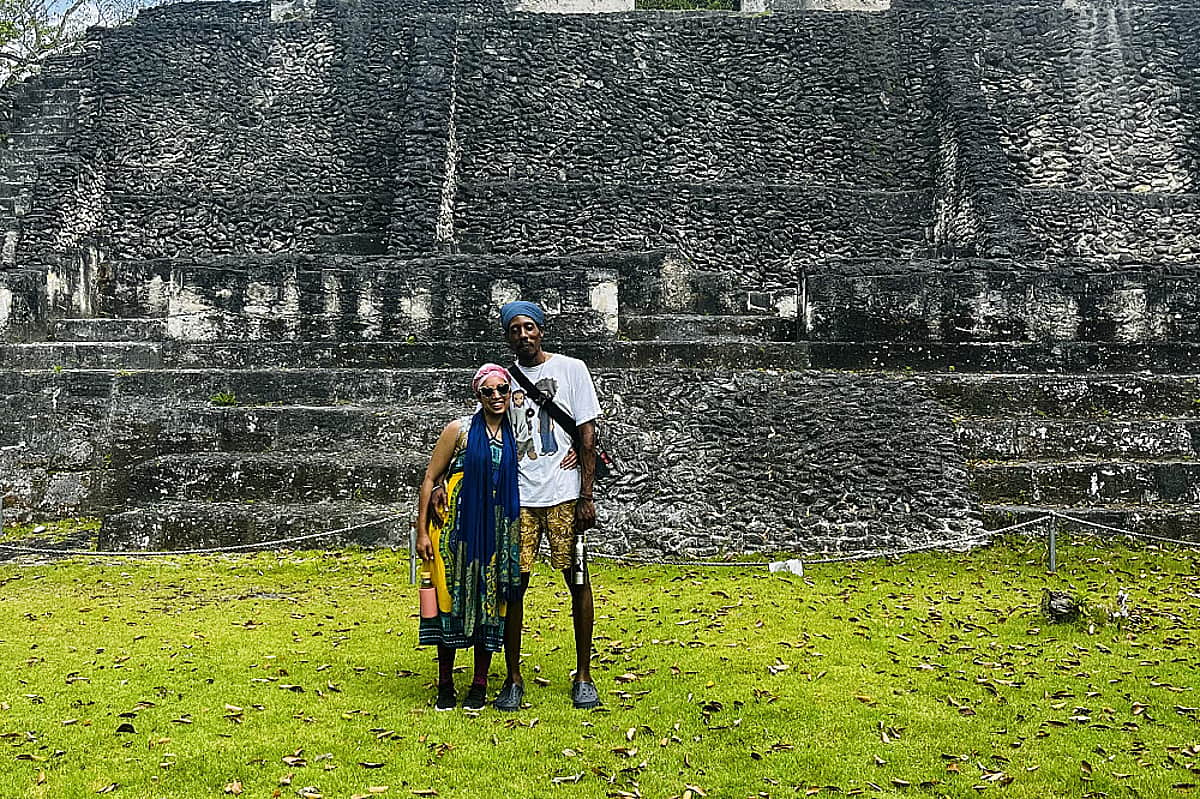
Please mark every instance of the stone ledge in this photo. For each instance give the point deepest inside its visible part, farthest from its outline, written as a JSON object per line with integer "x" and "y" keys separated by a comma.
{"x": 1092, "y": 482}
{"x": 1179, "y": 523}
{"x": 279, "y": 477}
{"x": 188, "y": 525}
{"x": 1071, "y": 396}
{"x": 1047, "y": 439}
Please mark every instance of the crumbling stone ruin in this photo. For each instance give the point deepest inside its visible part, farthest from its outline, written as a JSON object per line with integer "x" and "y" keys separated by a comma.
{"x": 848, "y": 278}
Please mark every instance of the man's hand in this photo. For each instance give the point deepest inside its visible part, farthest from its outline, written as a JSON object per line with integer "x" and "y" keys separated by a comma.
{"x": 437, "y": 505}
{"x": 585, "y": 515}
{"x": 570, "y": 461}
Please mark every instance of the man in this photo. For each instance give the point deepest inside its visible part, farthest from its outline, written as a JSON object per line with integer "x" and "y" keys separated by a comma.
{"x": 556, "y": 490}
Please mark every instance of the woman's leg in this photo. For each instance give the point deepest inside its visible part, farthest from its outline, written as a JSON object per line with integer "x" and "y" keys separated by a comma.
{"x": 514, "y": 620}
{"x": 445, "y": 665}
{"x": 446, "y": 698}
{"x": 483, "y": 662}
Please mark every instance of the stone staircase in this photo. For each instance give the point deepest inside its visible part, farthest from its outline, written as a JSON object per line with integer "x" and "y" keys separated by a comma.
{"x": 39, "y": 119}
{"x": 1117, "y": 449}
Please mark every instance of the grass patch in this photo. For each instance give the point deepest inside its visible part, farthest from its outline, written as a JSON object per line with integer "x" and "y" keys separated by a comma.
{"x": 50, "y": 532}
{"x": 935, "y": 676}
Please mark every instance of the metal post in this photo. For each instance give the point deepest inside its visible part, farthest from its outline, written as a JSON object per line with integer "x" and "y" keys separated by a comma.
{"x": 1053, "y": 544}
{"x": 412, "y": 554}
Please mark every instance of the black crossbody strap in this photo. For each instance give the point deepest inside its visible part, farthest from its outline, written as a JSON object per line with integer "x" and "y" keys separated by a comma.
{"x": 556, "y": 412}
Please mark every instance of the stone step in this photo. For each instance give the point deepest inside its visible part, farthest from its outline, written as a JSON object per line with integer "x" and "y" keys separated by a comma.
{"x": 18, "y": 175}
{"x": 1071, "y": 396}
{"x": 1071, "y": 358}
{"x": 192, "y": 525}
{"x": 280, "y": 477}
{"x": 15, "y": 205}
{"x": 23, "y": 159}
{"x": 110, "y": 330}
{"x": 82, "y": 355}
{"x": 1179, "y": 523}
{"x": 46, "y": 123}
{"x": 1008, "y": 357}
{"x": 18, "y": 141}
{"x": 699, "y": 327}
{"x": 1070, "y": 439}
{"x": 387, "y": 354}
{"x": 1088, "y": 482}
{"x": 148, "y": 429}
{"x": 356, "y": 297}
{"x": 205, "y": 388}
{"x": 55, "y": 108}
{"x": 994, "y": 301}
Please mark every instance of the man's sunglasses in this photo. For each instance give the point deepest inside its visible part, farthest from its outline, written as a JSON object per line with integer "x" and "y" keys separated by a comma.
{"x": 488, "y": 393}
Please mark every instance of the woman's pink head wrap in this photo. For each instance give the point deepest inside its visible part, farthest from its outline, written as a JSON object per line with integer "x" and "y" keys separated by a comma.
{"x": 486, "y": 371}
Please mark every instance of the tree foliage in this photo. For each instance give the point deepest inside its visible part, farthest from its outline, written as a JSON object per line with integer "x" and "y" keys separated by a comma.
{"x": 31, "y": 30}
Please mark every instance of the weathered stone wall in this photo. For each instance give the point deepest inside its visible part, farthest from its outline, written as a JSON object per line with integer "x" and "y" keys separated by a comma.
{"x": 350, "y": 298}
{"x": 750, "y": 461}
{"x": 998, "y": 301}
{"x": 292, "y": 201}
{"x": 722, "y": 461}
{"x": 747, "y": 143}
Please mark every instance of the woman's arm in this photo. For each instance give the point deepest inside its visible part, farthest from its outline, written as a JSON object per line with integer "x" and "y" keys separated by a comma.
{"x": 439, "y": 463}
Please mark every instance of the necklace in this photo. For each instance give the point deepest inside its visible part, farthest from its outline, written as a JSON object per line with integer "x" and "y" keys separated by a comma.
{"x": 493, "y": 432}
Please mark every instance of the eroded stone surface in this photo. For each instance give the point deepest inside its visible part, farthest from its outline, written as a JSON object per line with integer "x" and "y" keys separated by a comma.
{"x": 319, "y": 206}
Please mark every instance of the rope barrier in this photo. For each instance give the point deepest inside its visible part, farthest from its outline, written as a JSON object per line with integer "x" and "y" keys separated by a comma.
{"x": 833, "y": 558}
{"x": 1121, "y": 531}
{"x": 633, "y": 559}
{"x": 200, "y": 551}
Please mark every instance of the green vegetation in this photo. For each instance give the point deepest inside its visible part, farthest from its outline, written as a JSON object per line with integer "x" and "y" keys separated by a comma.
{"x": 49, "y": 532}
{"x": 223, "y": 398}
{"x": 297, "y": 674}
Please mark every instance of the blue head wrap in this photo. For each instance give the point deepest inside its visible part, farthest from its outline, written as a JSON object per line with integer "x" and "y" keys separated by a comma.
{"x": 521, "y": 308}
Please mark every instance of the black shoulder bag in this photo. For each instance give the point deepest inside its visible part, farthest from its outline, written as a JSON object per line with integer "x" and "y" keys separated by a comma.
{"x": 606, "y": 466}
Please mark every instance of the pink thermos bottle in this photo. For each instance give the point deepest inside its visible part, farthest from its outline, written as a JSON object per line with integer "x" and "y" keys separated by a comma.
{"x": 429, "y": 608}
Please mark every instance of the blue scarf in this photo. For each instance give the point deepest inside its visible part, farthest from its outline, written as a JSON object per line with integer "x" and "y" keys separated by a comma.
{"x": 482, "y": 508}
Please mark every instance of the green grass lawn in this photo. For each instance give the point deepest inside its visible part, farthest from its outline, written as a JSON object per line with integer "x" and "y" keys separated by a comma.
{"x": 298, "y": 674}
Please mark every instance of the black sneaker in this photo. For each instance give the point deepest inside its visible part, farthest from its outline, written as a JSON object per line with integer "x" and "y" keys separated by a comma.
{"x": 446, "y": 698}
{"x": 476, "y": 697}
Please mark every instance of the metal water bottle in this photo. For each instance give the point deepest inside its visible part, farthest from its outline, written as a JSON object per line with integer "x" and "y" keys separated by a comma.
{"x": 580, "y": 560}
{"x": 428, "y": 594}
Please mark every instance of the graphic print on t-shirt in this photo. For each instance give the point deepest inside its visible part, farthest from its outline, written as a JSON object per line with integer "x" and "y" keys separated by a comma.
{"x": 549, "y": 387}
{"x": 521, "y": 415}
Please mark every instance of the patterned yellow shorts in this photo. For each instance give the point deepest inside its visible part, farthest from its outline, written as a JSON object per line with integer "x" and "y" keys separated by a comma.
{"x": 558, "y": 523}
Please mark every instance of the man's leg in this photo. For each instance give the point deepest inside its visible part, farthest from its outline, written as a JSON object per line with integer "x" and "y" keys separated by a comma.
{"x": 583, "y": 616}
{"x": 561, "y": 530}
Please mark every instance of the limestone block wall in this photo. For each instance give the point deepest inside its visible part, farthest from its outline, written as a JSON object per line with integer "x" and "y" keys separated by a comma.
{"x": 997, "y": 301}
{"x": 743, "y": 461}
{"x": 361, "y": 298}
{"x": 236, "y": 136}
{"x": 745, "y": 143}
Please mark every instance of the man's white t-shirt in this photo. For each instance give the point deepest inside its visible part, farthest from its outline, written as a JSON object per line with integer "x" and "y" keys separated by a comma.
{"x": 541, "y": 442}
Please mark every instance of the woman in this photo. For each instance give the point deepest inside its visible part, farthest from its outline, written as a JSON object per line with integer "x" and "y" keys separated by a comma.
{"x": 473, "y": 554}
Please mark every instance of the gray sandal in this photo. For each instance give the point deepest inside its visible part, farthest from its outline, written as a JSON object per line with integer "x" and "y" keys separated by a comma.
{"x": 584, "y": 695}
{"x": 511, "y": 697}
